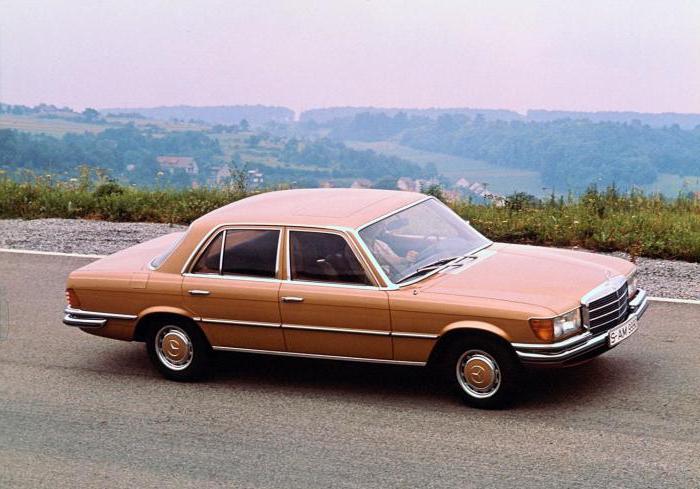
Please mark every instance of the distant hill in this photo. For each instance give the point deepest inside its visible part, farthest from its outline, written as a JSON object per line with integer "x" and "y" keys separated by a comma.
{"x": 686, "y": 121}
{"x": 224, "y": 114}
{"x": 326, "y": 115}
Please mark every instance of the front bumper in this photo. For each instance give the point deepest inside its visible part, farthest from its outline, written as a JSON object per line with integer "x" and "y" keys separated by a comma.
{"x": 576, "y": 348}
{"x": 90, "y": 319}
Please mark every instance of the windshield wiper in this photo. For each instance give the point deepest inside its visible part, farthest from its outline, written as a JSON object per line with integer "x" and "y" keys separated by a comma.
{"x": 429, "y": 267}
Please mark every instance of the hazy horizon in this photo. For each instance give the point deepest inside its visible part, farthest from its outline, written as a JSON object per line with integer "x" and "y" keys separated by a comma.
{"x": 641, "y": 56}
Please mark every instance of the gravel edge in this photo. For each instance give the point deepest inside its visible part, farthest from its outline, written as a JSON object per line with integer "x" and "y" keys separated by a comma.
{"x": 660, "y": 278}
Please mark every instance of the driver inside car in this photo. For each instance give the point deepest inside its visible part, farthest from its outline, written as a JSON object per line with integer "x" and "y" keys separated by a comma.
{"x": 382, "y": 249}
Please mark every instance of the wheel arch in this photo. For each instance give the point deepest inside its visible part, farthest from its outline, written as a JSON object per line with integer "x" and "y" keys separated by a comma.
{"x": 461, "y": 329}
{"x": 157, "y": 314}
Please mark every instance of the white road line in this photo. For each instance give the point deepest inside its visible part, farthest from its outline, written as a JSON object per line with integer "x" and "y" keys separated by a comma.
{"x": 676, "y": 301}
{"x": 79, "y": 255}
{"x": 49, "y": 253}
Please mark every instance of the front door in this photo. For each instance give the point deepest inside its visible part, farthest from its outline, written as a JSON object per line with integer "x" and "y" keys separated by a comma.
{"x": 330, "y": 305}
{"x": 233, "y": 288}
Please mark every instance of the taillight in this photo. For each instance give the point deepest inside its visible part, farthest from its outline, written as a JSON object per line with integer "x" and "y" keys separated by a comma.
{"x": 72, "y": 298}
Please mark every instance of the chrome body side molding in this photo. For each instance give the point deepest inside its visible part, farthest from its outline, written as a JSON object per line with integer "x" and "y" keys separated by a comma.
{"x": 304, "y": 327}
{"x": 324, "y": 329}
{"x": 319, "y": 356}
{"x": 425, "y": 336}
{"x": 259, "y": 324}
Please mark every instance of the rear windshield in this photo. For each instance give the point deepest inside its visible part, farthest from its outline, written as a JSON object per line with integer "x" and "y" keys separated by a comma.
{"x": 158, "y": 260}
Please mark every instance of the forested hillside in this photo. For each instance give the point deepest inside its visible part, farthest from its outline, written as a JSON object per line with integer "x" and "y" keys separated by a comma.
{"x": 338, "y": 146}
{"x": 569, "y": 154}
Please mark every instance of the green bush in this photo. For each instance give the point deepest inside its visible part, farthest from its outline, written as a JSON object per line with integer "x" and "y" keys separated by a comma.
{"x": 642, "y": 225}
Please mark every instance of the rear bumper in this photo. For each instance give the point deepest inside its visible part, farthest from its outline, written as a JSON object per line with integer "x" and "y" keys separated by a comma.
{"x": 90, "y": 319}
{"x": 577, "y": 348}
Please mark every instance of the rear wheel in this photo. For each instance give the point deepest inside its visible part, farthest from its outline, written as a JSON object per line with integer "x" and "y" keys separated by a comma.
{"x": 484, "y": 373}
{"x": 179, "y": 350}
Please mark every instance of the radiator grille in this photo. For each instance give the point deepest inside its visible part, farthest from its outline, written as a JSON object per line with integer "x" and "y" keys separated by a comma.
{"x": 609, "y": 311}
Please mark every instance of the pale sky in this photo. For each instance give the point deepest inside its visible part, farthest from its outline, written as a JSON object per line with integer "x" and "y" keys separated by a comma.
{"x": 574, "y": 55}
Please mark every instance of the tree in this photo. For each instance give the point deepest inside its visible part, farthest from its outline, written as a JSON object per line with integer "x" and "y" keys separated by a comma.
{"x": 90, "y": 114}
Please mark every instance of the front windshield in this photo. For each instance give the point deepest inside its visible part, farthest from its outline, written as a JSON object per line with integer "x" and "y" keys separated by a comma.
{"x": 420, "y": 236}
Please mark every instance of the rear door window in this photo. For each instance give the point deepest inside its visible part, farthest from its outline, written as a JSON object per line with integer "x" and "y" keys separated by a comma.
{"x": 245, "y": 252}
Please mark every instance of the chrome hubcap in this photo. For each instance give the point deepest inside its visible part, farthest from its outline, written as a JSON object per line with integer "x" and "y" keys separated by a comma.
{"x": 478, "y": 374}
{"x": 174, "y": 347}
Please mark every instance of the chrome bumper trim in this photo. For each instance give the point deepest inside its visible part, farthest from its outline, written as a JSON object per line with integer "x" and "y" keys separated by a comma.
{"x": 69, "y": 320}
{"x": 91, "y": 319}
{"x": 316, "y": 355}
{"x": 639, "y": 304}
{"x": 538, "y": 353}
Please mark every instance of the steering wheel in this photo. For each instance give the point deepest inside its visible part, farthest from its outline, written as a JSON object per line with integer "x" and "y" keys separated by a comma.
{"x": 427, "y": 252}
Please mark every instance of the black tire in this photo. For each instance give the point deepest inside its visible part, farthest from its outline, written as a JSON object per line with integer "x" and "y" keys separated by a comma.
{"x": 179, "y": 350}
{"x": 483, "y": 372}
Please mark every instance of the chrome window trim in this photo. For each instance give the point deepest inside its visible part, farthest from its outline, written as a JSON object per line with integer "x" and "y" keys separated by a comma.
{"x": 319, "y": 356}
{"x": 211, "y": 235}
{"x": 337, "y": 232}
{"x": 373, "y": 261}
{"x": 395, "y": 211}
{"x": 244, "y": 278}
{"x": 221, "y": 251}
{"x": 175, "y": 246}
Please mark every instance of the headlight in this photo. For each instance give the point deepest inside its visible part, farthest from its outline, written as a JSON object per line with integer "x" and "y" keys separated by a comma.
{"x": 632, "y": 284}
{"x": 557, "y": 328}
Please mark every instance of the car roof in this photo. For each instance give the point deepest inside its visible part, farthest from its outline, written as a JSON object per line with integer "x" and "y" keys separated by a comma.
{"x": 345, "y": 207}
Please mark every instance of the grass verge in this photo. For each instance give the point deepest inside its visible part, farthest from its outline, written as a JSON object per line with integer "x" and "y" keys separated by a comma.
{"x": 642, "y": 225}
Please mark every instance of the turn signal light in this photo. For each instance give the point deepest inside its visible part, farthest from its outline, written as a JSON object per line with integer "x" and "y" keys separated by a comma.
{"x": 72, "y": 298}
{"x": 543, "y": 328}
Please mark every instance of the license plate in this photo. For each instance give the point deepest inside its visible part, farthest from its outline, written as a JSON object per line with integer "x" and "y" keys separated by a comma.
{"x": 622, "y": 332}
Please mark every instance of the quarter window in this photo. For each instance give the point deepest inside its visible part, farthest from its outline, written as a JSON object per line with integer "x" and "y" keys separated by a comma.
{"x": 210, "y": 260}
{"x": 324, "y": 257}
{"x": 247, "y": 252}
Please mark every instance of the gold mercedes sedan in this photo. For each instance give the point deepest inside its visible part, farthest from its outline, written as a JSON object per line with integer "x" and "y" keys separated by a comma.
{"x": 358, "y": 275}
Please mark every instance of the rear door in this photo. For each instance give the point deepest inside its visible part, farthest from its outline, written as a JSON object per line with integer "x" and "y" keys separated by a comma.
{"x": 233, "y": 287}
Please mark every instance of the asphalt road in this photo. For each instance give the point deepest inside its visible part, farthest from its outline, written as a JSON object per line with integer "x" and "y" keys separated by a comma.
{"x": 81, "y": 411}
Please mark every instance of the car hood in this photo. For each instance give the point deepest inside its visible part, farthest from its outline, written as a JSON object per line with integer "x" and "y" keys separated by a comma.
{"x": 547, "y": 277}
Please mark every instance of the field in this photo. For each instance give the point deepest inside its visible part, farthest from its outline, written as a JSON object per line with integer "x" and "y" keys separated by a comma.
{"x": 59, "y": 127}
{"x": 52, "y": 127}
{"x": 505, "y": 180}
{"x": 501, "y": 180}
{"x": 607, "y": 221}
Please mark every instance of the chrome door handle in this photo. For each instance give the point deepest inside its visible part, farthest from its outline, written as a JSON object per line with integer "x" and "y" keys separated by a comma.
{"x": 198, "y": 292}
{"x": 292, "y": 299}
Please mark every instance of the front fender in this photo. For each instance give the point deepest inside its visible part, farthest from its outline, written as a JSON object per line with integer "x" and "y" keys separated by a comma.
{"x": 470, "y": 326}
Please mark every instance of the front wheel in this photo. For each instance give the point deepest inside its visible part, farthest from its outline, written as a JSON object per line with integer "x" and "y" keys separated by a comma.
{"x": 178, "y": 350}
{"x": 484, "y": 373}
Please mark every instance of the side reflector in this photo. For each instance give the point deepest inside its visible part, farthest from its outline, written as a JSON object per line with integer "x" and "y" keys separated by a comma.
{"x": 72, "y": 298}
